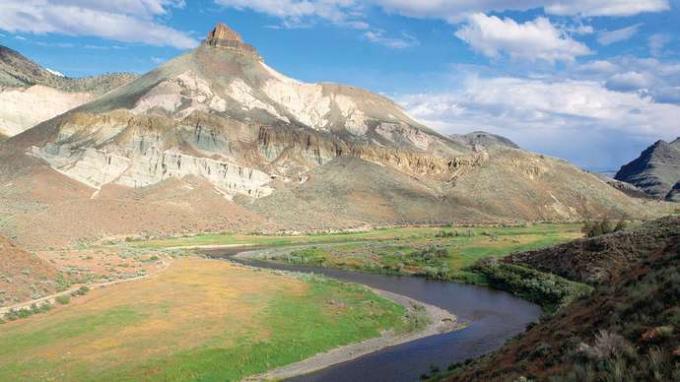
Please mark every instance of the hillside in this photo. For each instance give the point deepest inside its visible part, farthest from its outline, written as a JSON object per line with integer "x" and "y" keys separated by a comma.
{"x": 626, "y": 330}
{"x": 31, "y": 94}
{"x": 656, "y": 170}
{"x": 274, "y": 153}
{"x": 23, "y": 276}
{"x": 484, "y": 139}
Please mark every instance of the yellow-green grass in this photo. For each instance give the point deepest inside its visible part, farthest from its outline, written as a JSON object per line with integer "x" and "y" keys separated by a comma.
{"x": 198, "y": 320}
{"x": 372, "y": 235}
{"x": 444, "y": 253}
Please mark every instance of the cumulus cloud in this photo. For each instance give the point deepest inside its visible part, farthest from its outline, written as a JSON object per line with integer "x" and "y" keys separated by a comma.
{"x": 629, "y": 81}
{"x": 651, "y": 77}
{"x": 568, "y": 118}
{"x": 617, "y": 35}
{"x": 126, "y": 20}
{"x": 351, "y": 13}
{"x": 533, "y": 40}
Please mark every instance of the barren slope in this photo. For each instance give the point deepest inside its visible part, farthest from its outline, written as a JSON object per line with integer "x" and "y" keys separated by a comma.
{"x": 30, "y": 94}
{"x": 656, "y": 170}
{"x": 23, "y": 276}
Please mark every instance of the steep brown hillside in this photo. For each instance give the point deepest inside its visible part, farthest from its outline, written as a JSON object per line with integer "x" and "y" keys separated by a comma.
{"x": 23, "y": 276}
{"x": 627, "y": 330}
{"x": 600, "y": 259}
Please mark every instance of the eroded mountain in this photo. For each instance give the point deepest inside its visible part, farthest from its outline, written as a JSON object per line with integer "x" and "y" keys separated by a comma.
{"x": 226, "y": 142}
{"x": 30, "y": 94}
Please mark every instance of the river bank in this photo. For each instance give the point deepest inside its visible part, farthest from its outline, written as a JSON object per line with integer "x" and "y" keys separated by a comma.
{"x": 492, "y": 317}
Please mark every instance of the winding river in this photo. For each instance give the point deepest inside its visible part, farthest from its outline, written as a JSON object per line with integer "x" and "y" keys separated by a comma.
{"x": 493, "y": 317}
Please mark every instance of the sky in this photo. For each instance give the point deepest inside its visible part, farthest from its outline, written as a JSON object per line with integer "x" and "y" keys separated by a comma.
{"x": 593, "y": 82}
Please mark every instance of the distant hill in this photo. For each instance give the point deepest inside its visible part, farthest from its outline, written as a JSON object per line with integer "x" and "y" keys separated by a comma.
{"x": 484, "y": 139}
{"x": 30, "y": 94}
{"x": 627, "y": 330}
{"x": 656, "y": 170}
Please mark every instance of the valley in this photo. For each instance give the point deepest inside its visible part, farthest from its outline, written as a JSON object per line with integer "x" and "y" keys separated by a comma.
{"x": 210, "y": 218}
{"x": 178, "y": 284}
{"x": 199, "y": 319}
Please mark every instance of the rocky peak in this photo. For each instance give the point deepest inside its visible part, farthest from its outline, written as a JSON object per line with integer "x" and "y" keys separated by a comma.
{"x": 676, "y": 142}
{"x": 225, "y": 37}
{"x": 223, "y": 34}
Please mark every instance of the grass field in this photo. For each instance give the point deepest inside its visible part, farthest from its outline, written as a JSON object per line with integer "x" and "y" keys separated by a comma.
{"x": 437, "y": 253}
{"x": 199, "y": 320}
{"x": 387, "y": 234}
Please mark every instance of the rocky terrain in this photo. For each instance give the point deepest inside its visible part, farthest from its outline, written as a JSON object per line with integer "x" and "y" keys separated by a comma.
{"x": 601, "y": 259}
{"x": 30, "y": 94}
{"x": 23, "y": 276}
{"x": 656, "y": 170}
{"x": 225, "y": 142}
{"x": 627, "y": 330}
{"x": 483, "y": 140}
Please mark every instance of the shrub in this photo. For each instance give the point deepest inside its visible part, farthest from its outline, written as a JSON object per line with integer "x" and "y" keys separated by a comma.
{"x": 63, "y": 299}
{"x": 602, "y": 227}
{"x": 83, "y": 290}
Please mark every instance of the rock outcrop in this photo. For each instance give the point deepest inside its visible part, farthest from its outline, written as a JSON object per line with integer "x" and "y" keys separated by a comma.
{"x": 223, "y": 36}
{"x": 482, "y": 139}
{"x": 656, "y": 170}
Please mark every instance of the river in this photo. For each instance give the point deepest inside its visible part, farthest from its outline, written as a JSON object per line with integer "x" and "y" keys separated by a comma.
{"x": 492, "y": 316}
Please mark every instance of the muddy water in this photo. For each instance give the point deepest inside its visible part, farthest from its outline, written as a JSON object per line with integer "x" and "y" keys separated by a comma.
{"x": 493, "y": 317}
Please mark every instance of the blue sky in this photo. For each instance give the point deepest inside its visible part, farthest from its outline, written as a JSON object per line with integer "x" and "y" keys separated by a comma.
{"x": 591, "y": 81}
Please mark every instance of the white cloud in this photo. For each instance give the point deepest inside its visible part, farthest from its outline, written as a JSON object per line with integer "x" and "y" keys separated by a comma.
{"x": 295, "y": 11}
{"x": 605, "y": 7}
{"x": 648, "y": 76}
{"x": 456, "y": 10}
{"x": 657, "y": 42}
{"x": 629, "y": 81}
{"x": 125, "y": 21}
{"x": 379, "y": 37}
{"x": 568, "y": 118}
{"x": 617, "y": 35}
{"x": 533, "y": 40}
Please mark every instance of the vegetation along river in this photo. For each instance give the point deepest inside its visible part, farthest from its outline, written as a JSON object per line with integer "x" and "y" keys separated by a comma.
{"x": 492, "y": 317}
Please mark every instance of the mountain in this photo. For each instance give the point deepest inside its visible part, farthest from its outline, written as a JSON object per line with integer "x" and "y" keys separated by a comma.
{"x": 23, "y": 276}
{"x": 626, "y": 330}
{"x": 483, "y": 139}
{"x": 31, "y": 94}
{"x": 656, "y": 170}
{"x": 217, "y": 140}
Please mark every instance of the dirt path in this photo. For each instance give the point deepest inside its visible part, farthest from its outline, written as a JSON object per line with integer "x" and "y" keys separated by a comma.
{"x": 51, "y": 299}
{"x": 440, "y": 321}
